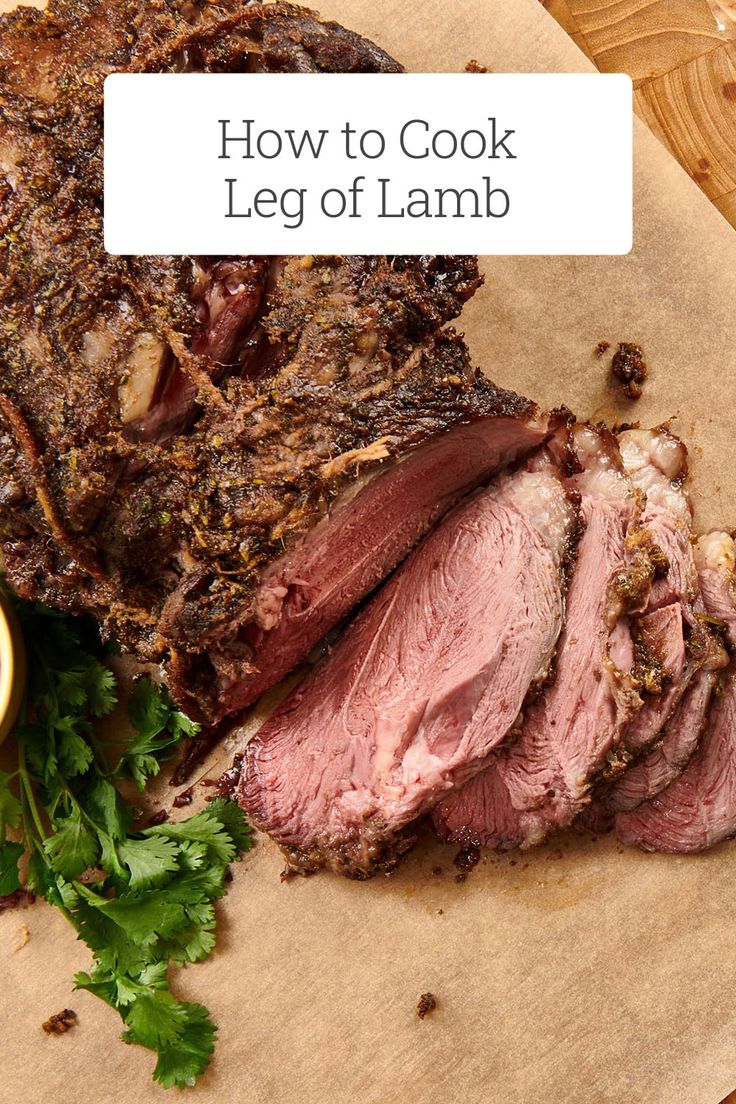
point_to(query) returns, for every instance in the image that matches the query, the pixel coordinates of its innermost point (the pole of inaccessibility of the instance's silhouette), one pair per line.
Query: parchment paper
(576, 974)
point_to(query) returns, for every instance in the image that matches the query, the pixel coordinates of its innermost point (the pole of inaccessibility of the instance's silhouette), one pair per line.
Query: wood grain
(693, 110)
(645, 38)
(681, 55)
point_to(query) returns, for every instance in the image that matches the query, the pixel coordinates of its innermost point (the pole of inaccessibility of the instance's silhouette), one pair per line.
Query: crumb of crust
(630, 369)
(474, 66)
(186, 797)
(427, 1003)
(60, 1022)
(465, 860)
(158, 818)
(24, 937)
(601, 348)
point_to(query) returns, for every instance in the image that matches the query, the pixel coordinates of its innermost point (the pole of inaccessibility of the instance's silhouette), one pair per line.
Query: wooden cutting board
(681, 55)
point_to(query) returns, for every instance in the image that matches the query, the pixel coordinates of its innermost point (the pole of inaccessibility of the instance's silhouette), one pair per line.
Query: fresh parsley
(159, 726)
(141, 900)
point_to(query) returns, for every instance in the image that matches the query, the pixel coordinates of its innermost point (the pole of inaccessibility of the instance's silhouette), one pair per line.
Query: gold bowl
(12, 667)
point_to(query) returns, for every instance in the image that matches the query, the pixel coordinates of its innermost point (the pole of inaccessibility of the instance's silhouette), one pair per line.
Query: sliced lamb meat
(656, 462)
(672, 639)
(662, 669)
(421, 686)
(366, 532)
(698, 809)
(543, 779)
(216, 456)
(667, 760)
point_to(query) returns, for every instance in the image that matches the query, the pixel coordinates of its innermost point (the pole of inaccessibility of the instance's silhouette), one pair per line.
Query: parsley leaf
(150, 861)
(105, 804)
(159, 725)
(143, 917)
(10, 853)
(180, 1032)
(180, 1063)
(233, 822)
(148, 709)
(74, 753)
(73, 847)
(101, 689)
(207, 828)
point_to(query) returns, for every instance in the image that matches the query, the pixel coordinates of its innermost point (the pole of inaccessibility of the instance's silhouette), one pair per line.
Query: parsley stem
(101, 753)
(75, 803)
(27, 790)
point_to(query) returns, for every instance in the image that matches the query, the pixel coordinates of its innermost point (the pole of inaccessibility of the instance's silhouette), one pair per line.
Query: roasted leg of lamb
(217, 457)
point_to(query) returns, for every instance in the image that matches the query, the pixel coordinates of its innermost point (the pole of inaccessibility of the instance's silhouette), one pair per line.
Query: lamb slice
(656, 461)
(421, 686)
(698, 809)
(542, 781)
(667, 760)
(663, 671)
(660, 663)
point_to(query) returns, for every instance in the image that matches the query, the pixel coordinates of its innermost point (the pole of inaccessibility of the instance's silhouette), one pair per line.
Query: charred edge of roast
(631, 586)
(284, 37)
